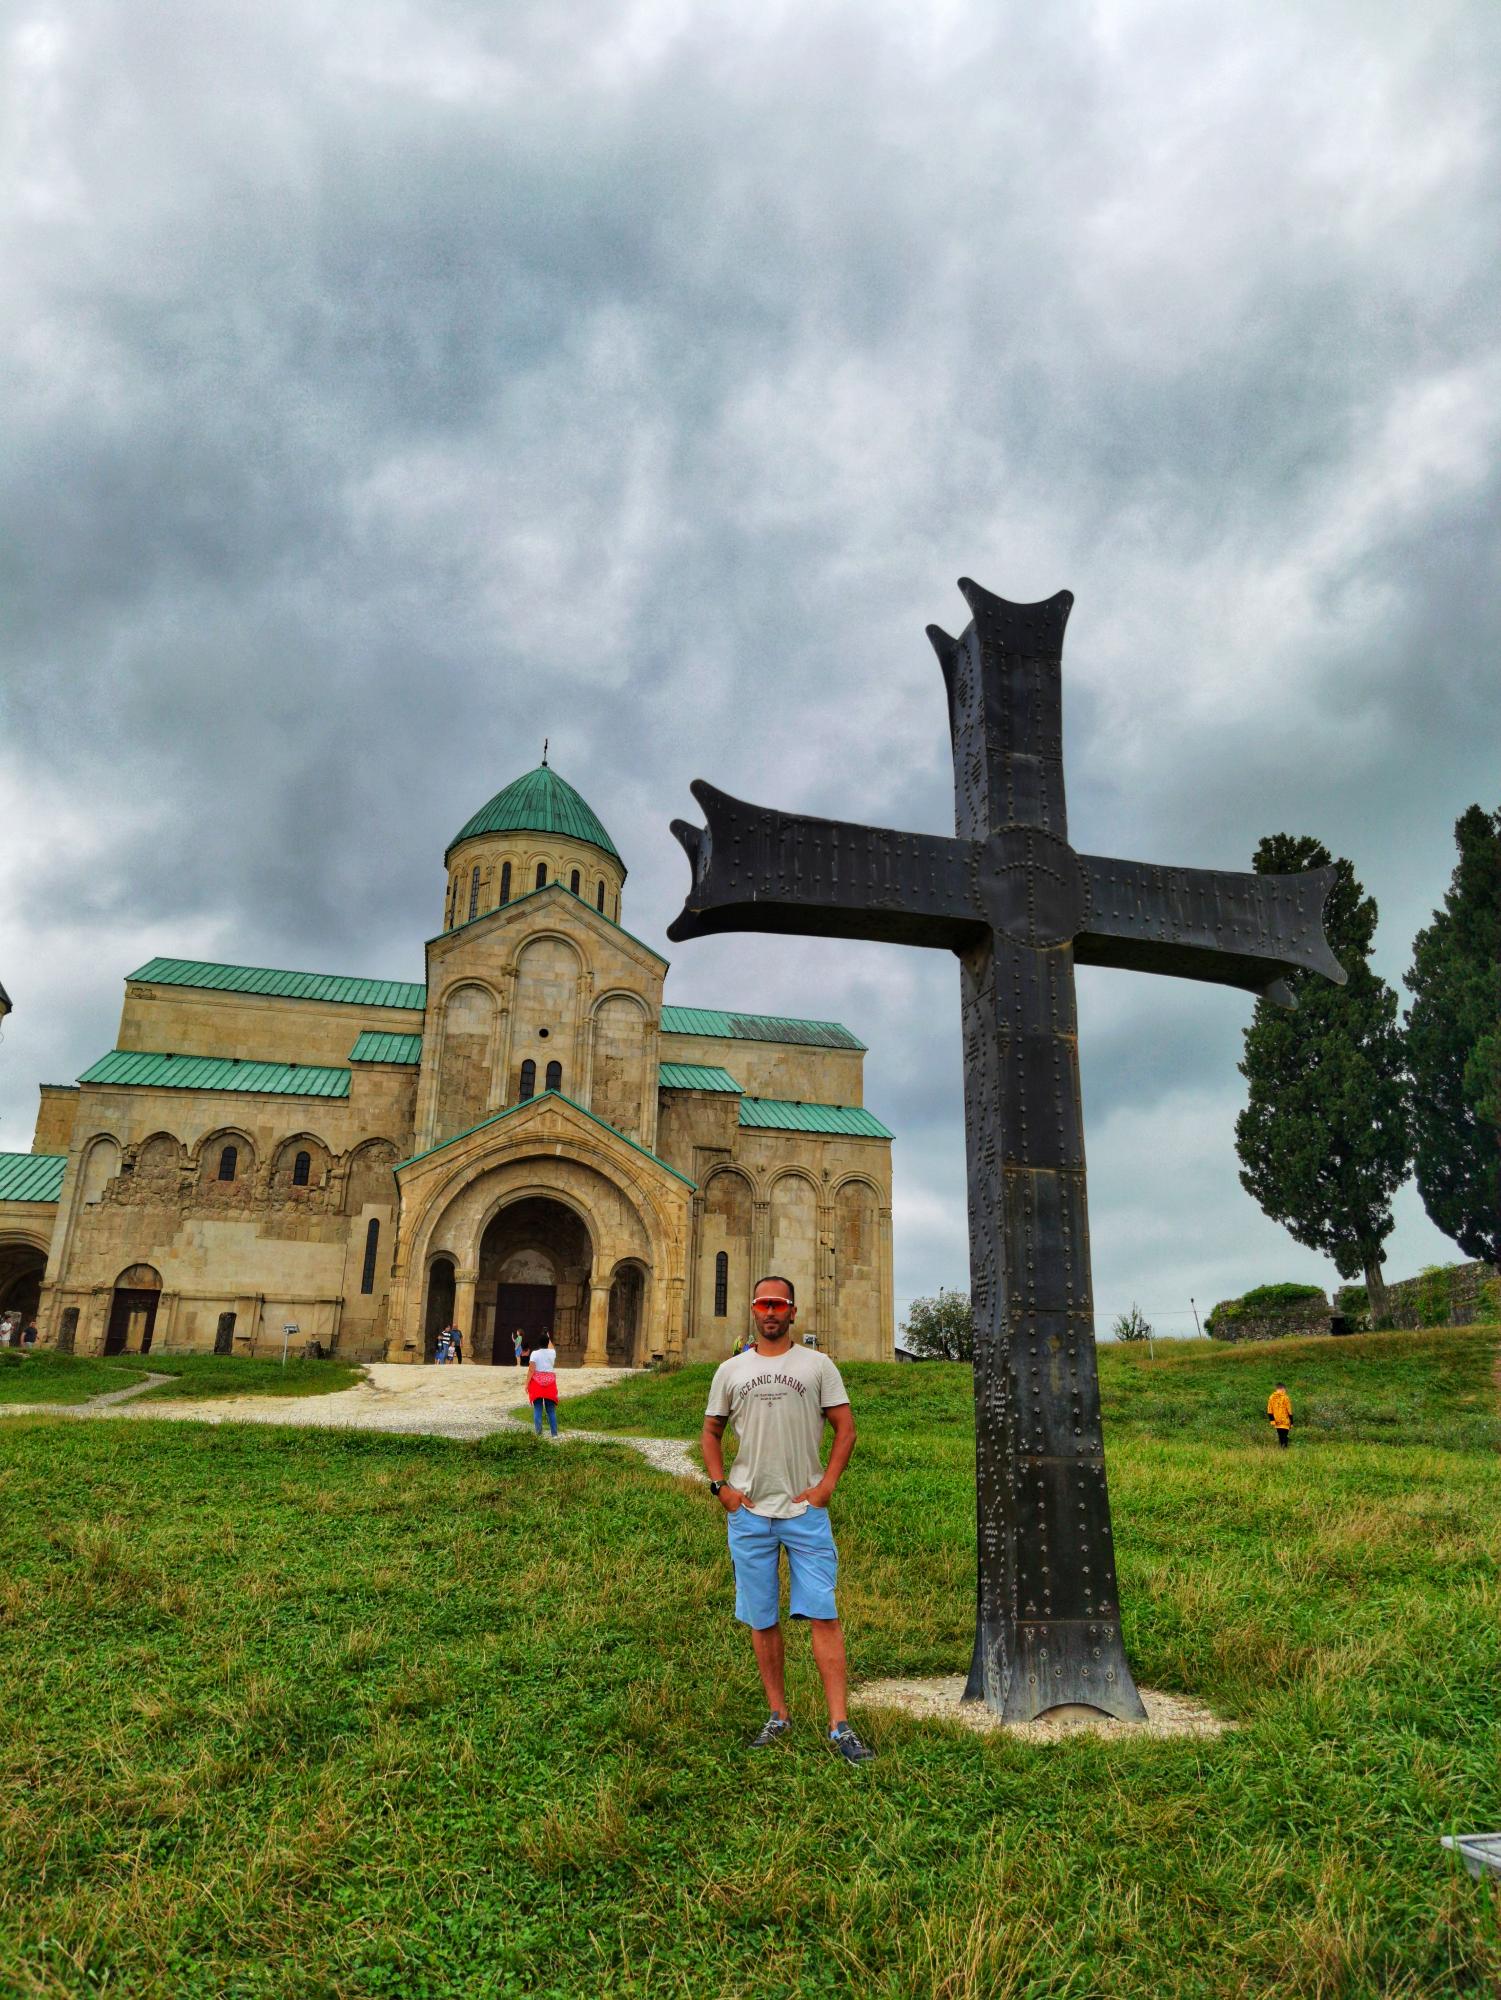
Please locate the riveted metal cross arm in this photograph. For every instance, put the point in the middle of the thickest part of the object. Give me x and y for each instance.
(757, 869)
(1204, 923)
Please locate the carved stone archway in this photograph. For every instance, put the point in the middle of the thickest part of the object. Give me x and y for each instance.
(634, 1208)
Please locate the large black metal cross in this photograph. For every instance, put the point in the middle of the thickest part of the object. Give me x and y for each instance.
(1020, 908)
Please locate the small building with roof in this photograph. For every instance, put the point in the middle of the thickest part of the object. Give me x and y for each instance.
(531, 1139)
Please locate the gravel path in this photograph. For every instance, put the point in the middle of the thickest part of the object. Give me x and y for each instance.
(459, 1402)
(96, 1406)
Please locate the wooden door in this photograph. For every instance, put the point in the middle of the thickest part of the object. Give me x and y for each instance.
(529, 1308)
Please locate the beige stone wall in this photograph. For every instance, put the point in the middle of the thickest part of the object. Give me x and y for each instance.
(144, 1187)
(777, 1069)
(55, 1117)
(196, 1021)
(544, 982)
(810, 1208)
(476, 874)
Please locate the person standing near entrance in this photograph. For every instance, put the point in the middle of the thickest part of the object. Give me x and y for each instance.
(1279, 1410)
(542, 1385)
(777, 1398)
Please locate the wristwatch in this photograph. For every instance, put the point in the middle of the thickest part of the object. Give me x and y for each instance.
(715, 1484)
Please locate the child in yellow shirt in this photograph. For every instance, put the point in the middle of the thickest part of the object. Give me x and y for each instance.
(1279, 1410)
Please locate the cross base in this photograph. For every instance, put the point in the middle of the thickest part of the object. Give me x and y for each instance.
(1062, 1663)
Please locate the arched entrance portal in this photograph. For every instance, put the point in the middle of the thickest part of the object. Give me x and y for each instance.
(132, 1312)
(440, 1292)
(21, 1268)
(534, 1263)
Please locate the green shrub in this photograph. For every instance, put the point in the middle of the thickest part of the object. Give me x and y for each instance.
(1260, 1299)
(1277, 1298)
(1431, 1297)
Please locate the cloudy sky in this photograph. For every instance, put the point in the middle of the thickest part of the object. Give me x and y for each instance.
(389, 386)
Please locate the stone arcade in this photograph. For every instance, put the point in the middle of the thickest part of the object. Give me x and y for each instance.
(532, 1138)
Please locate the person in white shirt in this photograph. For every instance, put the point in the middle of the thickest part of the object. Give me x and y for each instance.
(542, 1385)
(778, 1398)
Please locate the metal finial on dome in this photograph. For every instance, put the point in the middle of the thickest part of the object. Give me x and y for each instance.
(544, 753)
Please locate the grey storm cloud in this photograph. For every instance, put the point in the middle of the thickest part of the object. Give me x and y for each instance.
(390, 387)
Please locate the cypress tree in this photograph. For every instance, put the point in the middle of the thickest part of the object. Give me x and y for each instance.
(1323, 1141)
(1454, 1045)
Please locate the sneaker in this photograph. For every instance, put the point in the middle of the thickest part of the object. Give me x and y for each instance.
(847, 1743)
(775, 1729)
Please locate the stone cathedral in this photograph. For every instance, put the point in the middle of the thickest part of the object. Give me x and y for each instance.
(529, 1140)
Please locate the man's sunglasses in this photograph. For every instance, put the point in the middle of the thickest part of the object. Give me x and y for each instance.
(771, 1305)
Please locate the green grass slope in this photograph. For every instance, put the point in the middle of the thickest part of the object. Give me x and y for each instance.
(42, 1376)
(330, 1715)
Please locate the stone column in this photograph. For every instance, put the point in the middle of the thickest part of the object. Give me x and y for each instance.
(826, 1288)
(760, 1239)
(597, 1349)
(689, 1328)
(673, 1340)
(464, 1283)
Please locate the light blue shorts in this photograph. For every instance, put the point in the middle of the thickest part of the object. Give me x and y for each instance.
(756, 1542)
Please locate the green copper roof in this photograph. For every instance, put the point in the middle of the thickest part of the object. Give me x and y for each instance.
(510, 1112)
(281, 985)
(777, 1115)
(376, 1046)
(31, 1176)
(694, 1076)
(757, 1028)
(540, 802)
(161, 1072)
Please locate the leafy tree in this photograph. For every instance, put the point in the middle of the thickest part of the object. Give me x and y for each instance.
(1454, 1045)
(1323, 1140)
(1132, 1325)
(941, 1329)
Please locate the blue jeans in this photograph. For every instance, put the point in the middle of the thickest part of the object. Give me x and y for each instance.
(544, 1403)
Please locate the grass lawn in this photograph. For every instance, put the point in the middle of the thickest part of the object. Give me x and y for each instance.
(41, 1375)
(324, 1714)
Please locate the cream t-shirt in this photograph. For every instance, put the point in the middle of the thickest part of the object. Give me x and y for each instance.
(775, 1406)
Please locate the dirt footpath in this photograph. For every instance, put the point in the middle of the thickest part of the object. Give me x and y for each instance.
(466, 1401)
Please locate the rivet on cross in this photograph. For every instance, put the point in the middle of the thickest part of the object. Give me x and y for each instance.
(1019, 907)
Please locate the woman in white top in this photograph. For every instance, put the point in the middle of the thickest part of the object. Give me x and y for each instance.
(542, 1385)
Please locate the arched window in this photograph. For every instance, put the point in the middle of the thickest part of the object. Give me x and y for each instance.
(302, 1170)
(229, 1161)
(505, 881)
(573, 881)
(474, 892)
(722, 1284)
(528, 1080)
(541, 874)
(600, 898)
(372, 1238)
(555, 1076)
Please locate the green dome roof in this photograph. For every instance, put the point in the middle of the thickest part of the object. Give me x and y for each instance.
(540, 802)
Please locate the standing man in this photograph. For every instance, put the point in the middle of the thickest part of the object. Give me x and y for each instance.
(777, 1398)
(1279, 1410)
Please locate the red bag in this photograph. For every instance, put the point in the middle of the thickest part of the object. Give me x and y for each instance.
(543, 1386)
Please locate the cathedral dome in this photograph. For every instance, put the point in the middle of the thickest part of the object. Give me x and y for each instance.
(538, 802)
